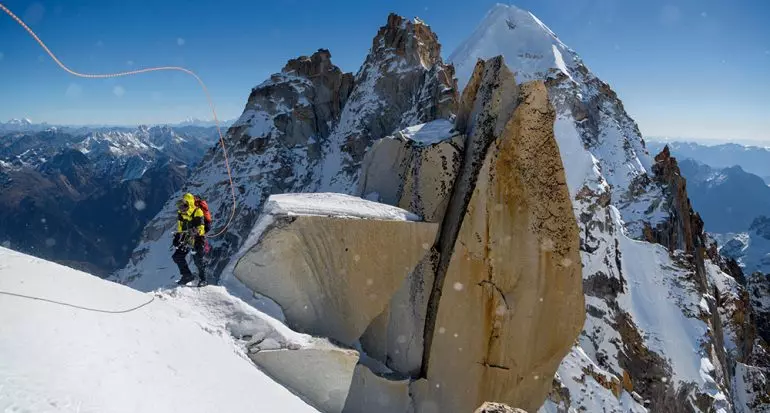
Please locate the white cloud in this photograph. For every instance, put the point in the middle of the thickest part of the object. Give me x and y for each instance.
(180, 41)
(119, 91)
(99, 43)
(74, 91)
(130, 62)
(1, 56)
(703, 14)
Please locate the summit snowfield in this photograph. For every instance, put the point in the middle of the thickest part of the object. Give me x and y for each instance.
(534, 54)
(71, 342)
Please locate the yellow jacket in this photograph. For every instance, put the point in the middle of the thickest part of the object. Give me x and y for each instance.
(192, 218)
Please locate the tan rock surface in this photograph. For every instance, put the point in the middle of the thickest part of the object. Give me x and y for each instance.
(395, 337)
(321, 375)
(333, 276)
(512, 303)
(370, 393)
(429, 178)
(411, 175)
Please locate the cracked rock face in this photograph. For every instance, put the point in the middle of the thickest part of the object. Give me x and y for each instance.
(511, 273)
(415, 175)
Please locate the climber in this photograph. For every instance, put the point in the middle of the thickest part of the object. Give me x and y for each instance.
(190, 235)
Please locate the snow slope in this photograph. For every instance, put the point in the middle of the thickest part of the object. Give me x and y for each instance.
(174, 352)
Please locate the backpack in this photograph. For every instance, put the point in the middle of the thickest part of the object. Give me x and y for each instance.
(204, 206)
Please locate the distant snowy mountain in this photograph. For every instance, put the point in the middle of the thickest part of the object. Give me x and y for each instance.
(110, 148)
(82, 197)
(223, 123)
(753, 159)
(19, 125)
(19, 122)
(751, 248)
(73, 342)
(728, 199)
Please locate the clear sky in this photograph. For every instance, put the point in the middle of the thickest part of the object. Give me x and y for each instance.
(690, 68)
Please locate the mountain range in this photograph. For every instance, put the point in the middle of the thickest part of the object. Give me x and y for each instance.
(753, 159)
(666, 326)
(437, 234)
(82, 197)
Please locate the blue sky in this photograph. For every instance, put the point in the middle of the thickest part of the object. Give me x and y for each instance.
(695, 68)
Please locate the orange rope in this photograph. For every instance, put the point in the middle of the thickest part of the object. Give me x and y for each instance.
(136, 72)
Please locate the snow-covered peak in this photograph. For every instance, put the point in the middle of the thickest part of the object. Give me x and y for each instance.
(529, 47)
(20, 122)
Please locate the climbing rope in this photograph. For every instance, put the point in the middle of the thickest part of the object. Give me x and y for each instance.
(97, 310)
(136, 72)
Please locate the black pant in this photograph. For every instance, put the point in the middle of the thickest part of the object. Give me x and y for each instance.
(180, 258)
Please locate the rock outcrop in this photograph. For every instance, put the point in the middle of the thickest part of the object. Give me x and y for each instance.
(503, 263)
(403, 82)
(497, 408)
(322, 375)
(512, 271)
(306, 129)
(332, 275)
(414, 169)
(395, 337)
(486, 106)
(373, 393)
(684, 229)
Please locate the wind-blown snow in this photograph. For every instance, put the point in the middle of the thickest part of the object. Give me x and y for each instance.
(334, 204)
(174, 354)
